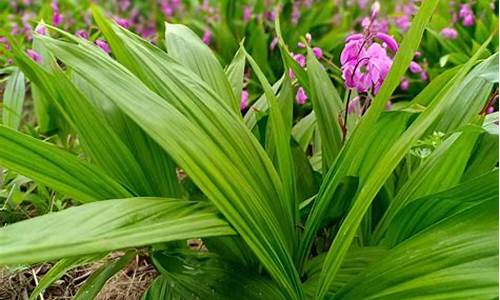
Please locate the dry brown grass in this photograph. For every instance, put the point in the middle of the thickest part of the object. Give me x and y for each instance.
(128, 284)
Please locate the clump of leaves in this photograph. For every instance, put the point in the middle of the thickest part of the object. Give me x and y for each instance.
(360, 227)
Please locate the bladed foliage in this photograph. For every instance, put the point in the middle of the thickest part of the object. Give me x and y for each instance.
(286, 207)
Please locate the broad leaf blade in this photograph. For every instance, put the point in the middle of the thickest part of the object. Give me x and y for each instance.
(56, 168)
(13, 100)
(106, 226)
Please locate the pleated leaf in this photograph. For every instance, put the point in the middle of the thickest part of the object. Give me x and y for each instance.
(13, 99)
(106, 226)
(189, 50)
(56, 168)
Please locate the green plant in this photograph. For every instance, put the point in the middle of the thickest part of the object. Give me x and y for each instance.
(375, 221)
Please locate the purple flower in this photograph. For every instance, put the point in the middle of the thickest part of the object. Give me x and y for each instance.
(103, 45)
(57, 19)
(82, 33)
(388, 40)
(247, 13)
(207, 37)
(273, 44)
(270, 15)
(124, 4)
(35, 56)
(464, 11)
(364, 68)
(467, 15)
(449, 33)
(301, 96)
(295, 13)
(166, 8)
(291, 74)
(41, 29)
(403, 23)
(244, 100)
(122, 22)
(468, 20)
(404, 84)
(424, 76)
(300, 59)
(318, 52)
(415, 67)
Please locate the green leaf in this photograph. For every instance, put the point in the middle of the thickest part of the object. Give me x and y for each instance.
(472, 95)
(105, 226)
(357, 260)
(327, 107)
(281, 135)
(235, 72)
(202, 135)
(56, 168)
(96, 281)
(188, 274)
(484, 158)
(46, 111)
(384, 167)
(441, 170)
(59, 269)
(13, 100)
(189, 50)
(429, 210)
(454, 259)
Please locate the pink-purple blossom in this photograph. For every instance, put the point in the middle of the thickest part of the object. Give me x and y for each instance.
(247, 13)
(35, 56)
(244, 100)
(301, 96)
(449, 33)
(82, 33)
(207, 37)
(103, 45)
(300, 59)
(318, 52)
(404, 84)
(415, 67)
(122, 22)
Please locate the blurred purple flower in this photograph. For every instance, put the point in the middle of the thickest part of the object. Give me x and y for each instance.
(35, 56)
(295, 13)
(122, 22)
(207, 37)
(103, 45)
(57, 17)
(404, 84)
(424, 76)
(41, 29)
(247, 13)
(300, 59)
(449, 33)
(403, 23)
(467, 15)
(388, 40)
(82, 33)
(244, 100)
(301, 96)
(415, 67)
(318, 52)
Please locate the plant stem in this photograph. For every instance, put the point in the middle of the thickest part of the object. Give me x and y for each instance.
(344, 124)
